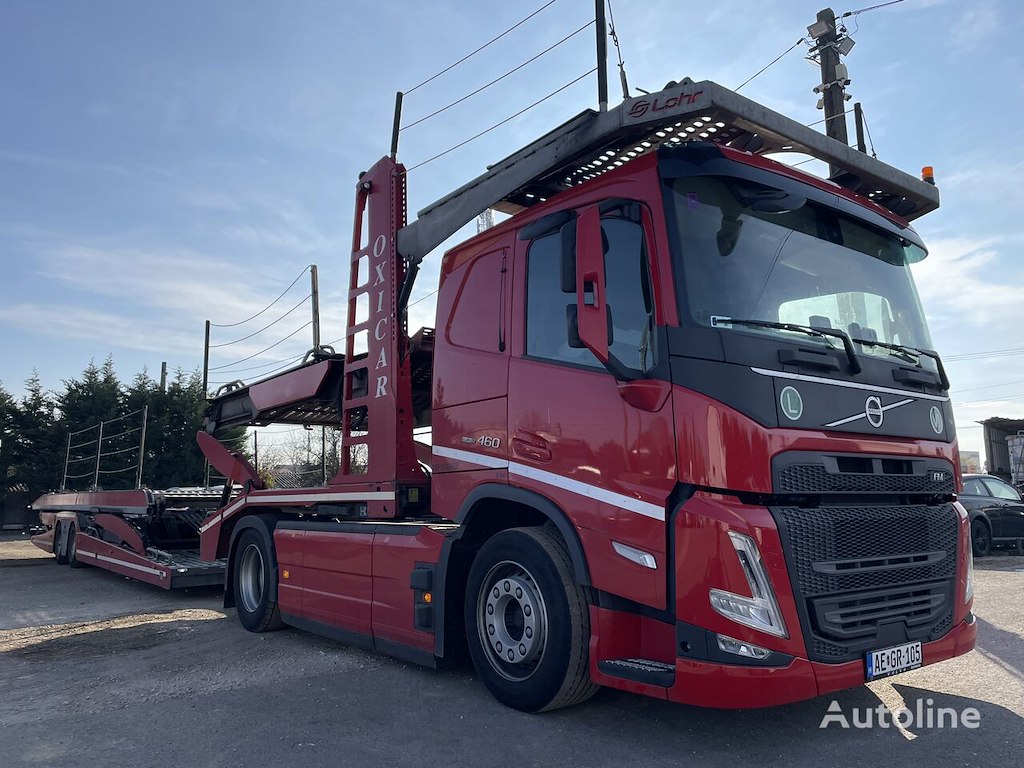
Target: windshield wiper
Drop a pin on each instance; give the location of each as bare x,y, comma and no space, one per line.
908,355
851,354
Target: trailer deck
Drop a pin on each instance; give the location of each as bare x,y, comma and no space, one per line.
150,536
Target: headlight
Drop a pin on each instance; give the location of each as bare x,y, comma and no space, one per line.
969,581
760,612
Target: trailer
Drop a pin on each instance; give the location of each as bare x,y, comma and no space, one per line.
149,536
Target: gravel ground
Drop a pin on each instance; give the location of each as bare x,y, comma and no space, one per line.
98,670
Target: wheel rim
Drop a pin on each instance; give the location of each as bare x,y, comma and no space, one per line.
980,535
250,578
512,621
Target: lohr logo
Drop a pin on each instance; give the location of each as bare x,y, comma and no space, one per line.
661,103
873,411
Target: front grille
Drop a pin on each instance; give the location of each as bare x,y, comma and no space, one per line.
870,576
816,479
860,613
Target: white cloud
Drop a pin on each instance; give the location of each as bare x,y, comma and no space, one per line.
105,328
955,283
977,23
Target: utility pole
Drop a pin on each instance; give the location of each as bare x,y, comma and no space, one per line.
828,45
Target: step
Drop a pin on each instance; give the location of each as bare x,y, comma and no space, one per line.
640,670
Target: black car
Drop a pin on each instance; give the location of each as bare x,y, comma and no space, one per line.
996,509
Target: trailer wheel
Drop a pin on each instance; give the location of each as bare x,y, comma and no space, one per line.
253,569
71,547
527,622
60,548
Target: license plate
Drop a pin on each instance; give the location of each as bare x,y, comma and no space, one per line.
891,661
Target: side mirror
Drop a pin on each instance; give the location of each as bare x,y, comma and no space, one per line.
591,310
589,320
572,327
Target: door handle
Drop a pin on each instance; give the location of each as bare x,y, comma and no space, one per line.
531,445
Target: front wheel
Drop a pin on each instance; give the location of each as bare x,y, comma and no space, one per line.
253,570
527,622
981,538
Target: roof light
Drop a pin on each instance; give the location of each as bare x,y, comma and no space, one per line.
928,174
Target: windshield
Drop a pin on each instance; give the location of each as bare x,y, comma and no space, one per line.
809,266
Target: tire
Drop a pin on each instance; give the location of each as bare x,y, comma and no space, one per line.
254,566
521,600
60,545
71,547
981,537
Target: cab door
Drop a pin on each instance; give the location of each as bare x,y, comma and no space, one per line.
573,436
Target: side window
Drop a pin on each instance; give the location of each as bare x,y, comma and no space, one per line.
628,288
547,334
973,487
1001,490
627,285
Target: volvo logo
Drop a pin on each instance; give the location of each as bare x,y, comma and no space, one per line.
935,419
792,403
873,411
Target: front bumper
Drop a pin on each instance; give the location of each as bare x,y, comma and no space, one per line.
727,686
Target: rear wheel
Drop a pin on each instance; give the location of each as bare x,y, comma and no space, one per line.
60,544
71,548
981,538
253,571
527,622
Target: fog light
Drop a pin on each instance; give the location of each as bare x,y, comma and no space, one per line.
740,648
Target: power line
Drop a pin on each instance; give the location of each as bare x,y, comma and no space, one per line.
867,130
474,53
618,50
499,124
261,330
870,8
267,349
496,80
984,355
243,322
992,400
771,63
990,386
422,298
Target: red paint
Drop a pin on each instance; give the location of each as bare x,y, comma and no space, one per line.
290,387
118,526
232,464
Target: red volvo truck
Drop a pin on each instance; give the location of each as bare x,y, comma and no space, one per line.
688,435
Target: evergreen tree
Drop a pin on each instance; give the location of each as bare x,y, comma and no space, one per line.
37,457
35,432
8,414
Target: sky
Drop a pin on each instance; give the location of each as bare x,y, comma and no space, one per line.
164,164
